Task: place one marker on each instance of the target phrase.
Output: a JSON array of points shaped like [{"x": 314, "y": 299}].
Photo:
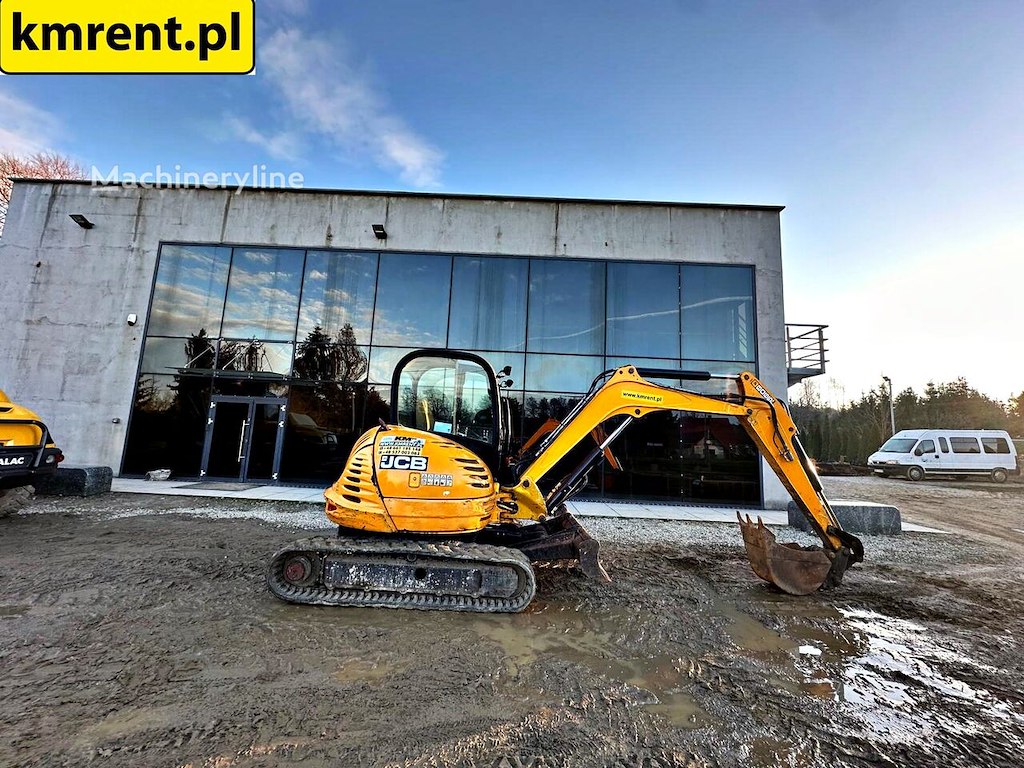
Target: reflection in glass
[
  {"x": 412, "y": 300},
  {"x": 488, "y": 304},
  {"x": 643, "y": 309},
  {"x": 340, "y": 383},
  {"x": 230, "y": 421},
  {"x": 319, "y": 359},
  {"x": 715, "y": 368},
  {"x": 499, "y": 360},
  {"x": 324, "y": 421},
  {"x": 254, "y": 357},
  {"x": 541, "y": 406},
  {"x": 263, "y": 433},
  {"x": 263, "y": 294},
  {"x": 163, "y": 355},
  {"x": 718, "y": 461},
  {"x": 648, "y": 362},
  {"x": 561, "y": 373},
  {"x": 718, "y": 313},
  {"x": 648, "y": 451},
  {"x": 542, "y": 413},
  {"x": 566, "y": 307},
  {"x": 516, "y": 408},
  {"x": 250, "y": 386},
  {"x": 337, "y": 294},
  {"x": 383, "y": 361},
  {"x": 189, "y": 291},
  {"x": 168, "y": 425}
]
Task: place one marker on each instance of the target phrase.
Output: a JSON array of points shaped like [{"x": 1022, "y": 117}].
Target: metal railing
[{"x": 805, "y": 351}]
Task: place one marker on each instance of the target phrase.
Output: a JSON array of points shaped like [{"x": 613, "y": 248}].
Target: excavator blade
[
  {"x": 559, "y": 537},
  {"x": 793, "y": 569}
]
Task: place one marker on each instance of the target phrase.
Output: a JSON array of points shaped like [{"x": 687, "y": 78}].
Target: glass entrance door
[{"x": 244, "y": 436}]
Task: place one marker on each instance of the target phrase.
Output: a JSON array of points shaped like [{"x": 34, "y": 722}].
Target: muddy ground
[{"x": 137, "y": 631}]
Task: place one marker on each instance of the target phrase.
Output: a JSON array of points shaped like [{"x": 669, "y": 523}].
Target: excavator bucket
[{"x": 793, "y": 569}]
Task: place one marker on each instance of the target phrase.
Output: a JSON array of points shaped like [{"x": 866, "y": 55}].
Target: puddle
[
  {"x": 886, "y": 672},
  {"x": 592, "y": 641},
  {"x": 364, "y": 671},
  {"x": 771, "y": 753},
  {"x": 893, "y": 675},
  {"x": 128, "y": 721},
  {"x": 11, "y": 611}
]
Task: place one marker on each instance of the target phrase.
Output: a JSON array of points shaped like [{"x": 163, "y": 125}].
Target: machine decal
[
  {"x": 764, "y": 394},
  {"x": 399, "y": 445},
  {"x": 17, "y": 461},
  {"x": 638, "y": 396},
  {"x": 416, "y": 480},
  {"x": 416, "y": 463}
]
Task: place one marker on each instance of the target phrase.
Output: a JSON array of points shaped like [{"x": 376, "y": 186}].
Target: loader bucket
[{"x": 793, "y": 569}]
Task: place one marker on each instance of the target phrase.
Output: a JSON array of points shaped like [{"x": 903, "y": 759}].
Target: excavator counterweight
[{"x": 436, "y": 510}]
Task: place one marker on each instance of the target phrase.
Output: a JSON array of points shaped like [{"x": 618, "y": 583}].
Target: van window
[
  {"x": 926, "y": 446},
  {"x": 995, "y": 445},
  {"x": 965, "y": 444},
  {"x": 898, "y": 445},
  {"x": 944, "y": 445}
]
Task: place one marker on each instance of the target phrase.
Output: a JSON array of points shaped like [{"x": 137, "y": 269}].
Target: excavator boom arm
[{"x": 763, "y": 417}]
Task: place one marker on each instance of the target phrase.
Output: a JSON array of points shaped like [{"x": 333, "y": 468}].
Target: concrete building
[{"x": 167, "y": 326}]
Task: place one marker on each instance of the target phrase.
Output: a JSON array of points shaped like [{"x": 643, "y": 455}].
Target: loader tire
[{"x": 15, "y": 499}]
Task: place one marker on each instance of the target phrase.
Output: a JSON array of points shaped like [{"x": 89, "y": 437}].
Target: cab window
[
  {"x": 447, "y": 396},
  {"x": 925, "y": 446}
]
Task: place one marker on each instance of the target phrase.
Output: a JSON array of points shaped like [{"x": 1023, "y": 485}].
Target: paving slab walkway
[{"x": 631, "y": 511}]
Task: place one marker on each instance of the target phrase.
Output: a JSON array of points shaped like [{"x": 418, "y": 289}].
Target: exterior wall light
[
  {"x": 380, "y": 232},
  {"x": 81, "y": 221}
]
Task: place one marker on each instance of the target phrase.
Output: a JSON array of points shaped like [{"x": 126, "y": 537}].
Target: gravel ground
[{"x": 137, "y": 631}]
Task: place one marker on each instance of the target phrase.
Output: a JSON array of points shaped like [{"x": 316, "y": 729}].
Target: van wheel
[
  {"x": 998, "y": 475},
  {"x": 915, "y": 474}
]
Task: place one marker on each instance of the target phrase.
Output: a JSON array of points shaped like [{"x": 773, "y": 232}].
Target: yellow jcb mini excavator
[
  {"x": 436, "y": 511},
  {"x": 26, "y": 452}
]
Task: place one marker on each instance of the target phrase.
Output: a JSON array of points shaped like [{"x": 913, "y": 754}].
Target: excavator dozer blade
[{"x": 793, "y": 569}]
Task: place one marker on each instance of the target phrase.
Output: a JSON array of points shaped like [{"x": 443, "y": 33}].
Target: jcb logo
[{"x": 415, "y": 463}]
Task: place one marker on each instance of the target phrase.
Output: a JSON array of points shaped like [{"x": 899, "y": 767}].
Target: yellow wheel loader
[
  {"x": 26, "y": 452},
  {"x": 436, "y": 511}
]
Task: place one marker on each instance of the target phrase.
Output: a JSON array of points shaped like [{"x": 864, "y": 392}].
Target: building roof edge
[{"x": 407, "y": 194}]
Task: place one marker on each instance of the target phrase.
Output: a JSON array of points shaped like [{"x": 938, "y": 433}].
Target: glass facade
[{"x": 316, "y": 334}]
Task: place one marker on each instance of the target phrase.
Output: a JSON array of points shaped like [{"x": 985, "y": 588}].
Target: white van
[{"x": 914, "y": 453}]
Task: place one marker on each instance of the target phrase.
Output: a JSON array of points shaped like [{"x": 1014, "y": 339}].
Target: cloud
[
  {"x": 284, "y": 9},
  {"x": 25, "y": 129},
  {"x": 329, "y": 96},
  {"x": 285, "y": 145},
  {"x": 259, "y": 257}
]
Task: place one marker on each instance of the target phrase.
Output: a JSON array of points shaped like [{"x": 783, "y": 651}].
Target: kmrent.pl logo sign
[{"x": 127, "y": 37}]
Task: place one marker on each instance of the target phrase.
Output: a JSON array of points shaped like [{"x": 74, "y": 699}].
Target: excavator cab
[{"x": 454, "y": 394}]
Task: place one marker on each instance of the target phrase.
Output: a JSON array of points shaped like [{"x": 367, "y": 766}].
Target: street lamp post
[{"x": 892, "y": 411}]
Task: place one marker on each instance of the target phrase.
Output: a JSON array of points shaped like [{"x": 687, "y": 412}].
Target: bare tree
[{"x": 41, "y": 165}]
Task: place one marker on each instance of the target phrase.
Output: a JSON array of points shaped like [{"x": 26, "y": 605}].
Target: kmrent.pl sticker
[{"x": 127, "y": 37}]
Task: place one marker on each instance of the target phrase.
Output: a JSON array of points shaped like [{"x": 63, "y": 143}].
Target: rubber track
[{"x": 443, "y": 551}]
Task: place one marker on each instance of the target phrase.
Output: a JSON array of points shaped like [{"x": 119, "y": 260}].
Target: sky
[{"x": 892, "y": 132}]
